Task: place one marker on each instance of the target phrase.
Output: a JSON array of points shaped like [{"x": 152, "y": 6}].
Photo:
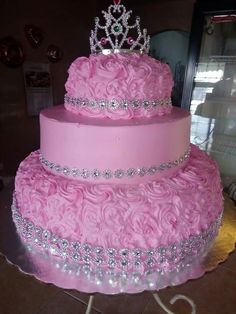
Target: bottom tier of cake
[{"x": 160, "y": 226}]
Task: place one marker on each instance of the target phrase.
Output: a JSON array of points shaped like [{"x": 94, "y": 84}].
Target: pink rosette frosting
[
  {"x": 148, "y": 215},
  {"x": 119, "y": 77}
]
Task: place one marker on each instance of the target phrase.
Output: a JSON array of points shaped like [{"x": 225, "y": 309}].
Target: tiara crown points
[{"x": 116, "y": 31}]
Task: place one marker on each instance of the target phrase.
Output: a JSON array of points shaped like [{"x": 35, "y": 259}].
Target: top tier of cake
[{"x": 119, "y": 86}]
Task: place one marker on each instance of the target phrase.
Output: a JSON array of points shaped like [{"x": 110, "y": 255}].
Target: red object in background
[
  {"x": 11, "y": 52},
  {"x": 116, "y": 2},
  {"x": 223, "y": 18},
  {"x": 34, "y": 35}
]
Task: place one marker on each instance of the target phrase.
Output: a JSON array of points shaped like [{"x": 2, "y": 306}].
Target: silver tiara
[{"x": 117, "y": 34}]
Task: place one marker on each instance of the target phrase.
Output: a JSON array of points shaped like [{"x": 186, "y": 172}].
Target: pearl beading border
[
  {"x": 165, "y": 258},
  {"x": 115, "y": 104},
  {"x": 108, "y": 173}
]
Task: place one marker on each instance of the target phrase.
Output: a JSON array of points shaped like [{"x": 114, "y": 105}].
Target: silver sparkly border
[
  {"x": 162, "y": 259},
  {"x": 108, "y": 173},
  {"x": 115, "y": 104}
]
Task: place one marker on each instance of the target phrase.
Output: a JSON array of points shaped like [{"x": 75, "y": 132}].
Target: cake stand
[{"x": 48, "y": 269}]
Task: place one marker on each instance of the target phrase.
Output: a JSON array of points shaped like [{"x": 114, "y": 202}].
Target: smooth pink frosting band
[{"x": 85, "y": 143}]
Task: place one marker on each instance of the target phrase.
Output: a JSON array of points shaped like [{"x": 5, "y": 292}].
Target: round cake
[
  {"x": 119, "y": 86},
  {"x": 116, "y": 185}
]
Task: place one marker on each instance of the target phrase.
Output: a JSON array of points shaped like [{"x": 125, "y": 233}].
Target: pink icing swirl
[
  {"x": 122, "y": 216},
  {"x": 119, "y": 76}
]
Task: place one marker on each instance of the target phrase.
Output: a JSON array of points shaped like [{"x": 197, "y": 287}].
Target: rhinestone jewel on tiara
[{"x": 117, "y": 33}]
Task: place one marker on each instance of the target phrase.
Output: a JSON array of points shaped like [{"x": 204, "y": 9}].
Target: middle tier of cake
[{"x": 124, "y": 151}]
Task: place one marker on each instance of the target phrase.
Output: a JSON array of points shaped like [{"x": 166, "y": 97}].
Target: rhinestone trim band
[
  {"x": 165, "y": 258},
  {"x": 108, "y": 173},
  {"x": 115, "y": 104}
]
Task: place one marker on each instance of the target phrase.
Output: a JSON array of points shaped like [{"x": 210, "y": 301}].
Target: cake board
[{"x": 50, "y": 270}]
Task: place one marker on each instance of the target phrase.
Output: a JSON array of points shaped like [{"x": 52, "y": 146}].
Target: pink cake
[
  {"x": 116, "y": 185},
  {"x": 119, "y": 87}
]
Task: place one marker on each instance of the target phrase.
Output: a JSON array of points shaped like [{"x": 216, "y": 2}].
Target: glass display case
[{"x": 210, "y": 84}]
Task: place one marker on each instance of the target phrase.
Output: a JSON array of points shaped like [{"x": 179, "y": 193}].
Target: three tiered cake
[{"x": 116, "y": 185}]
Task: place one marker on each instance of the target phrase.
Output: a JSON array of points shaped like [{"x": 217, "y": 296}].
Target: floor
[{"x": 214, "y": 293}]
